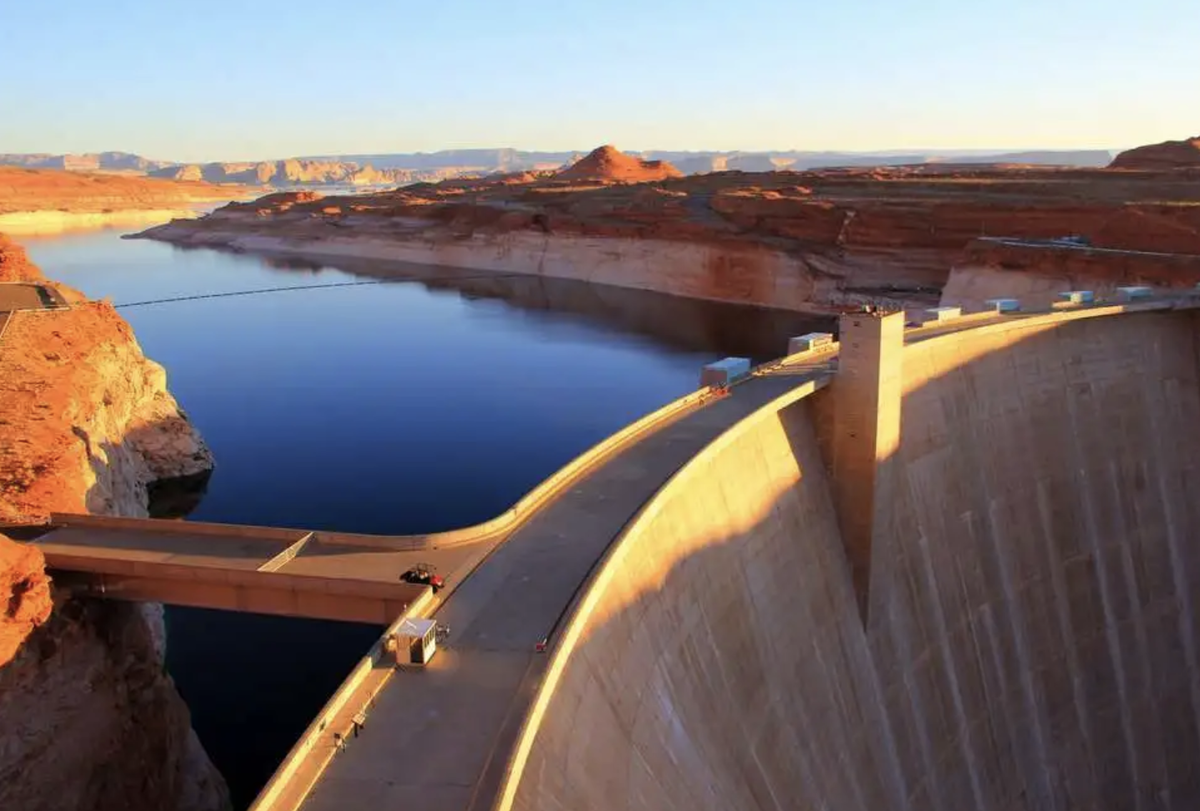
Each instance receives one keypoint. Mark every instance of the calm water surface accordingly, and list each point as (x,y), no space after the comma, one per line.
(386,408)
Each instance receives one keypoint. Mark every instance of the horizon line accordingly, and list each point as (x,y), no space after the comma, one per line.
(884,152)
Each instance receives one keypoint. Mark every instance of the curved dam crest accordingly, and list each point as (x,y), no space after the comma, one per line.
(1031,638)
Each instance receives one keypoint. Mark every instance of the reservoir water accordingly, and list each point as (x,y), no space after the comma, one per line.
(375,403)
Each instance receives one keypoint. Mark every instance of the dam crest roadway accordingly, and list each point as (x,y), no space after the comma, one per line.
(942,566)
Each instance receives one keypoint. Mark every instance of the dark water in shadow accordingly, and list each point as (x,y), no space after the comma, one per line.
(403,407)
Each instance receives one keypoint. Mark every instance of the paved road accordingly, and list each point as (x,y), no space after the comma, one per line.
(16,296)
(438,739)
(20,297)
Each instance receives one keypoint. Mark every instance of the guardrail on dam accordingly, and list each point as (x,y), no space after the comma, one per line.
(1030,634)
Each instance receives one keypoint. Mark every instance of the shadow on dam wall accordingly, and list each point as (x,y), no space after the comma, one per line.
(1031,640)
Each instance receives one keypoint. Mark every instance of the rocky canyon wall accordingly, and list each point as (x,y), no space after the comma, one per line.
(89,719)
(1037,273)
(728,273)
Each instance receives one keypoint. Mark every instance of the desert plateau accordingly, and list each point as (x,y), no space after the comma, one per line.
(821,240)
(36,201)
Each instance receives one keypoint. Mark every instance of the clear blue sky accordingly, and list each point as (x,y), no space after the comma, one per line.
(245,79)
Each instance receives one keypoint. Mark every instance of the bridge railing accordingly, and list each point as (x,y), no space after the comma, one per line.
(544,492)
(309,756)
(569,628)
(171,526)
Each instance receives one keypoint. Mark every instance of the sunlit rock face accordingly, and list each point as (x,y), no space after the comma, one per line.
(89,719)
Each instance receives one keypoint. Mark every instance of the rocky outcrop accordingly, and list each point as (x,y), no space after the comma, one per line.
(1036,272)
(1168,155)
(24,595)
(89,719)
(88,422)
(14,263)
(608,164)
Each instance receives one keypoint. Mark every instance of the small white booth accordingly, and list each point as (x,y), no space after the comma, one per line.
(414,642)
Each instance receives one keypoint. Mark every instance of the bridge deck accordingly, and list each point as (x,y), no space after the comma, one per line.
(267,570)
(438,739)
(157,547)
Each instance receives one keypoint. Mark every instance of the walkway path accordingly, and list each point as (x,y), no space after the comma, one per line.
(16,296)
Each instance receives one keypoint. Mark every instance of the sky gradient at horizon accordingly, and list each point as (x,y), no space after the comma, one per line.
(257,79)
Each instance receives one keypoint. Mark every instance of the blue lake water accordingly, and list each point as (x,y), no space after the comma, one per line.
(396,407)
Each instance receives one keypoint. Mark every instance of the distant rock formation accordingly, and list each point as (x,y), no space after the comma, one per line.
(760,162)
(701,164)
(26,189)
(296,172)
(1167,155)
(609,164)
(89,162)
(402,168)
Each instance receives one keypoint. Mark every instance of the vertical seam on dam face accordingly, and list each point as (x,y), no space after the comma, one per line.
(960,718)
(1063,615)
(1179,566)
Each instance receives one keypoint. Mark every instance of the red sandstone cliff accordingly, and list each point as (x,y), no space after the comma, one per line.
(801,240)
(1035,273)
(24,595)
(1167,155)
(14,263)
(88,717)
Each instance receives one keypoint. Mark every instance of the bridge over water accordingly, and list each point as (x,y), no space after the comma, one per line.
(550,690)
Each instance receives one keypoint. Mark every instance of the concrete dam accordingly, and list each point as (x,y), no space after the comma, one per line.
(1027,639)
(942,567)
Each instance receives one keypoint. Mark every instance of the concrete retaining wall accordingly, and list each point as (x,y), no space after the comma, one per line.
(1032,635)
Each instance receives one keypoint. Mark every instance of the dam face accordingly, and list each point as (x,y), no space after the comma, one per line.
(1030,639)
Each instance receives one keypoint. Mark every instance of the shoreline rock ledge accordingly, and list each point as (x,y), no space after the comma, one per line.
(89,717)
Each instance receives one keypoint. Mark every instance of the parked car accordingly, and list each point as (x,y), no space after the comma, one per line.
(424,574)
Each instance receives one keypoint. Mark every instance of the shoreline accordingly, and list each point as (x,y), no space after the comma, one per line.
(46,221)
(726,274)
